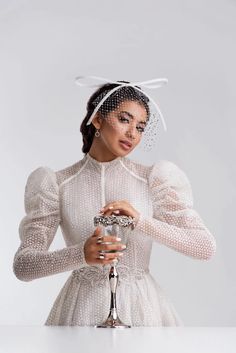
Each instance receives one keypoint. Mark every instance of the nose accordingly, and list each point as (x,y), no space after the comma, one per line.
(131,131)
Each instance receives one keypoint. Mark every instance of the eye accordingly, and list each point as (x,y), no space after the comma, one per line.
(139,128)
(121,118)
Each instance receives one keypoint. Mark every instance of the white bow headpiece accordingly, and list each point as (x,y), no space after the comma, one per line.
(151,84)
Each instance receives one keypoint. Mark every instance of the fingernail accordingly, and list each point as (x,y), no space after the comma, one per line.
(118,239)
(123,247)
(121,254)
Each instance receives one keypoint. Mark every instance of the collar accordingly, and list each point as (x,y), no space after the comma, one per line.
(114,162)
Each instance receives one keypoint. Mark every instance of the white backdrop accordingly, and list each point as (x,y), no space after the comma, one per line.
(44,44)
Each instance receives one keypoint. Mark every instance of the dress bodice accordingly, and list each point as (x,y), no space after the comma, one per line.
(91,186)
(71,197)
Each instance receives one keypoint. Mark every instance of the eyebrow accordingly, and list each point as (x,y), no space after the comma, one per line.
(132,117)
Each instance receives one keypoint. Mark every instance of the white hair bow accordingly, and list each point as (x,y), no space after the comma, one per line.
(150,84)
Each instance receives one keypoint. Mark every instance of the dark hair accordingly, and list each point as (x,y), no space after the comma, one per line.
(122,94)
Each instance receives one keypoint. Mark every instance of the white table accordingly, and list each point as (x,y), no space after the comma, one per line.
(71,339)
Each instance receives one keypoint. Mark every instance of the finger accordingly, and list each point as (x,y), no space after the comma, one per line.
(109,212)
(97,231)
(115,204)
(108,256)
(109,239)
(115,212)
(111,247)
(108,261)
(110,206)
(100,256)
(105,258)
(117,208)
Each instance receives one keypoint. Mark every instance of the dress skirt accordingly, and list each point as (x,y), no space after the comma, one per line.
(84,300)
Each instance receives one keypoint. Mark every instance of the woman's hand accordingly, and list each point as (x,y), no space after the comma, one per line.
(121,207)
(92,248)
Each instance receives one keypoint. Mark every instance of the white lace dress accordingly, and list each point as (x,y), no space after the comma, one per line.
(71,198)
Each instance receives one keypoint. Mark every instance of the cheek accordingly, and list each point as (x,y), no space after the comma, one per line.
(110,134)
(115,127)
(112,129)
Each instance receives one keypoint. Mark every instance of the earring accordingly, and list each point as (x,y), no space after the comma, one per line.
(97,133)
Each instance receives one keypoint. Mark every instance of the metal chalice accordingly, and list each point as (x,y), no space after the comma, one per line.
(119,226)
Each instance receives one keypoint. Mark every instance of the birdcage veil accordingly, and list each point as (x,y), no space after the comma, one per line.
(124,102)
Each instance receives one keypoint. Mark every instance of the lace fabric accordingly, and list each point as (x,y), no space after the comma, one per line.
(97,276)
(70,198)
(175,223)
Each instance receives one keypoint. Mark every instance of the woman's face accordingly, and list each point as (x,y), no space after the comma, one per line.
(122,129)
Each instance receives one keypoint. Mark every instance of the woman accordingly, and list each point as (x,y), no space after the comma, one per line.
(158,197)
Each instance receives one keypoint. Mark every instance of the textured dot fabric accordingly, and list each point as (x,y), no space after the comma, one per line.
(70,198)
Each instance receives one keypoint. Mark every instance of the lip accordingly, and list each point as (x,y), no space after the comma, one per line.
(125,144)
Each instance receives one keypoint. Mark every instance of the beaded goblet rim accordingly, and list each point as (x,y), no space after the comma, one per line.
(121,220)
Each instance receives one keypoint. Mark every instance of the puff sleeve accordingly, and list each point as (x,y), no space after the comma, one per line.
(38,228)
(175,223)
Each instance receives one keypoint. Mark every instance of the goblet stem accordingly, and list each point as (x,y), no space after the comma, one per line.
(113,280)
(113,320)
(119,226)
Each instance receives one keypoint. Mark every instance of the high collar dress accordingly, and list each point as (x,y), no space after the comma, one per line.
(70,198)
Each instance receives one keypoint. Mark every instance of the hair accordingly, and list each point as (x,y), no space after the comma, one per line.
(125,93)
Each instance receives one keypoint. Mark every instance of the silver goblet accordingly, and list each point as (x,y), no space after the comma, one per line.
(119,226)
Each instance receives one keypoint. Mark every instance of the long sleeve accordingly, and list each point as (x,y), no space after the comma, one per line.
(175,223)
(38,228)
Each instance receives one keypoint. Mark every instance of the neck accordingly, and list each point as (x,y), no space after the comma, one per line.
(101,154)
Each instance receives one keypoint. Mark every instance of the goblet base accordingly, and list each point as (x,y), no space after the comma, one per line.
(113,323)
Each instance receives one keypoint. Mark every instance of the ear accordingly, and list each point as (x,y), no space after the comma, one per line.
(97,121)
